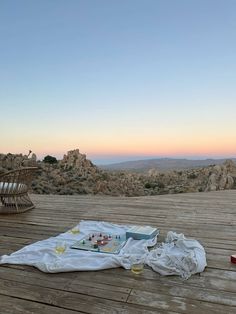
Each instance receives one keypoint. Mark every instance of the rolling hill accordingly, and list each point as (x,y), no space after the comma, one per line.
(162,164)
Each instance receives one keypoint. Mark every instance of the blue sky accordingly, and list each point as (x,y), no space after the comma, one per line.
(118,79)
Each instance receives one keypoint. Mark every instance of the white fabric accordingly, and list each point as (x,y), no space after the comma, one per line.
(178,256)
(42,254)
(10,186)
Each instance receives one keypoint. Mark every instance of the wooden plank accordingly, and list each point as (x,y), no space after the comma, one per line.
(158,300)
(208,217)
(70,300)
(11,305)
(66,283)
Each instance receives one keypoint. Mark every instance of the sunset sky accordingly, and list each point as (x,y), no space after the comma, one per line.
(120,80)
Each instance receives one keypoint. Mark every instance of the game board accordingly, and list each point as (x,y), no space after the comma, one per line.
(101,242)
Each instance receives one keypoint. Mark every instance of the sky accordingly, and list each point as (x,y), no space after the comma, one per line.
(119,80)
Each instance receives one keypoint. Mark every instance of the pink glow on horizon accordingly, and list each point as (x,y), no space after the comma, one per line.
(185,147)
(204,153)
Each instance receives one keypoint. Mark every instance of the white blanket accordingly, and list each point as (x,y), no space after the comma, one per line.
(42,254)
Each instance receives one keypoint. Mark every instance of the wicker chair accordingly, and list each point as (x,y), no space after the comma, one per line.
(14,187)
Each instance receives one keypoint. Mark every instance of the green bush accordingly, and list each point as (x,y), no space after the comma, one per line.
(50,159)
(154,185)
(147,185)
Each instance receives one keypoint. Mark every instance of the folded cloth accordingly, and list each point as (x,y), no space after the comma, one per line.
(178,256)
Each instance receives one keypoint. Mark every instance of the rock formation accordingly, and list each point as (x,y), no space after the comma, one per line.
(13,161)
(77,161)
(75,174)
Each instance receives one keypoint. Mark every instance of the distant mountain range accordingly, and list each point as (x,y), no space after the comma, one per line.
(162,164)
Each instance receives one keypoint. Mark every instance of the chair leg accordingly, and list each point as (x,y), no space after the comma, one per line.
(16,204)
(2,201)
(8,205)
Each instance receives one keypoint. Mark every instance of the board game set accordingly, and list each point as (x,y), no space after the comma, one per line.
(101,242)
(113,243)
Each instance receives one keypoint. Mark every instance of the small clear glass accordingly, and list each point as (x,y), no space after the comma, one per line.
(75,230)
(60,247)
(137,264)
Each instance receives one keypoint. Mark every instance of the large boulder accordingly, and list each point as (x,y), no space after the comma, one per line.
(77,161)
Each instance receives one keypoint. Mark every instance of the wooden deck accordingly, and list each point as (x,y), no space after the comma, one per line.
(208,217)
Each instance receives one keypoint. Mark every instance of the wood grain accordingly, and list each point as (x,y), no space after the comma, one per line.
(207,217)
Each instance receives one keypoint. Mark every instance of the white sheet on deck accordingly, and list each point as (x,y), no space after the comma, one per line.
(43,256)
(178,256)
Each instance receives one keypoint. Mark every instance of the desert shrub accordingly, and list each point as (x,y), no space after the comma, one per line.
(104,176)
(50,159)
(161,185)
(154,185)
(147,185)
(192,176)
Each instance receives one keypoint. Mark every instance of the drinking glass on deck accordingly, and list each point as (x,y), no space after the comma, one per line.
(137,264)
(60,247)
(75,230)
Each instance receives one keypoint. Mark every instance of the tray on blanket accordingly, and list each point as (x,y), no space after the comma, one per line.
(100,242)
